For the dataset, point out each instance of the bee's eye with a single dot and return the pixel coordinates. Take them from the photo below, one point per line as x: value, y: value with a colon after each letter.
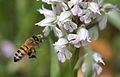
x: 18, y: 51
x: 35, y: 38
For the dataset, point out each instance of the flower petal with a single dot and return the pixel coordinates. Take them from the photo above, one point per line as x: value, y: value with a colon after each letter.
x: 68, y: 54
x: 75, y: 10
x: 61, y: 41
x: 84, y: 67
x: 73, y: 2
x: 46, y: 22
x: 46, y: 12
x: 97, y: 68
x: 73, y: 38
x: 87, y: 21
x: 70, y: 26
x: 64, y: 15
x: 64, y: 6
x: 103, y: 22
x: 94, y: 7
x: 97, y: 58
x: 83, y: 34
x: 46, y: 31
x: 77, y: 45
x: 61, y: 57
x: 109, y: 6
x: 57, y: 32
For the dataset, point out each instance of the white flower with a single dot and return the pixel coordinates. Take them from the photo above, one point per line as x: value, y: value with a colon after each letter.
x: 57, y: 32
x: 86, y: 16
x: 97, y: 69
x: 49, y: 22
x: 75, y: 7
x: 50, y: 17
x: 83, y: 34
x: 46, y: 30
x: 63, y: 6
x: 61, y: 42
x: 76, y: 10
x: 59, y: 7
x: 45, y: 23
x: 70, y: 26
x: 97, y: 58
x: 102, y: 20
x: 63, y: 53
x: 64, y: 16
x: 82, y: 37
x: 47, y: 12
x: 74, y: 39
x: 66, y: 21
x: 73, y: 2
x: 94, y: 7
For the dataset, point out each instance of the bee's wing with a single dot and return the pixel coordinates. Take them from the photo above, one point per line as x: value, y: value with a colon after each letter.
x: 29, y: 41
x: 32, y: 53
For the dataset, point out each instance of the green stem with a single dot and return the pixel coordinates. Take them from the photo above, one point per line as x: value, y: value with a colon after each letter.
x: 54, y: 67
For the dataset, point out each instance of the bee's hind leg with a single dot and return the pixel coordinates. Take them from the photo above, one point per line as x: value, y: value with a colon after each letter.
x: 32, y: 53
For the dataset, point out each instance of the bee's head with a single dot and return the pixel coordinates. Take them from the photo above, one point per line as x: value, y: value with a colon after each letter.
x: 40, y: 37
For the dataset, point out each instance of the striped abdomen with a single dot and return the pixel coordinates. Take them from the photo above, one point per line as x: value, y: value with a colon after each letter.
x: 21, y: 52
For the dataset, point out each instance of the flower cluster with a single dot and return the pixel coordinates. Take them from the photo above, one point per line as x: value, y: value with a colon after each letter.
x: 73, y: 22
x: 76, y: 23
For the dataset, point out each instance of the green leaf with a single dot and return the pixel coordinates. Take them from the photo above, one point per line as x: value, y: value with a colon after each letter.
x: 114, y: 18
x: 54, y: 68
x: 79, y: 63
x: 89, y: 61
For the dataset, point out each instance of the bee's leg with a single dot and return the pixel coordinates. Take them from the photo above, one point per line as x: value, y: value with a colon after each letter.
x: 37, y: 44
x: 32, y: 53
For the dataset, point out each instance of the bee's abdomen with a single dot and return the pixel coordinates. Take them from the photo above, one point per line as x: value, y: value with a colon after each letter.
x: 19, y: 54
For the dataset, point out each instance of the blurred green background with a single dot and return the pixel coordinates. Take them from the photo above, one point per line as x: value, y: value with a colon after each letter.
x: 17, y: 19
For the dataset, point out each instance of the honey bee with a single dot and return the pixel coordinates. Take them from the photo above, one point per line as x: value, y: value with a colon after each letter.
x: 28, y: 48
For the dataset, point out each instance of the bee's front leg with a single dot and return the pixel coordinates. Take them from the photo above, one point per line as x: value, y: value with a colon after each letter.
x: 32, y: 53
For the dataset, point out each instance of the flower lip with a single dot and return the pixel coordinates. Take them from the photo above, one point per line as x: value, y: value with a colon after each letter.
x: 83, y: 34
x: 70, y: 26
x: 97, y: 58
x: 62, y: 52
x: 61, y: 41
x: 47, y: 12
x: 94, y: 7
x: 64, y: 15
